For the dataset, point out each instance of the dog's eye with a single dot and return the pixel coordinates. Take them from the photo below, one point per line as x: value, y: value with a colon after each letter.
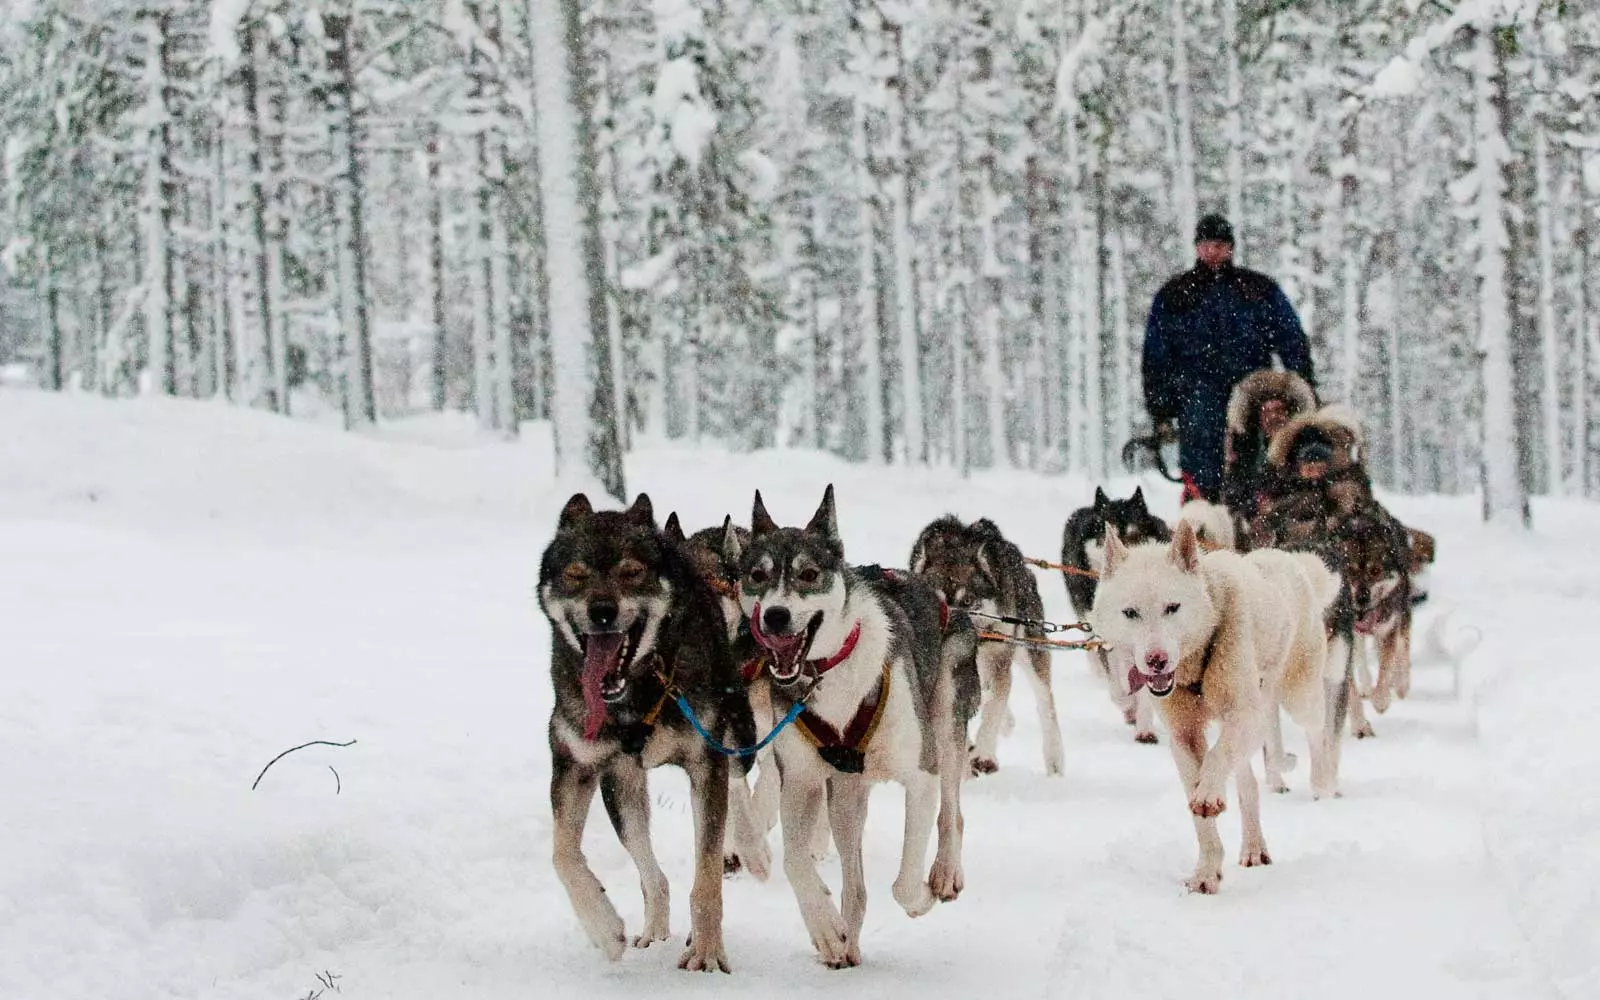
x: 575, y: 575
x: 630, y: 570
x: 1132, y: 614
x: 757, y: 576
x: 808, y: 576
x: 1172, y: 609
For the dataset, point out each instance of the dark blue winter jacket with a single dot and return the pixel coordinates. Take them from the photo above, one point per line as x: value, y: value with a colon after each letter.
x: 1207, y: 330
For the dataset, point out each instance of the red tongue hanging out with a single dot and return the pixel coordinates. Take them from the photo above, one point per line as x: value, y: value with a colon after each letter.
x: 602, y: 655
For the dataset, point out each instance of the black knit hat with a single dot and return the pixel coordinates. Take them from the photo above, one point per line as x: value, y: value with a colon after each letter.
x: 1213, y: 227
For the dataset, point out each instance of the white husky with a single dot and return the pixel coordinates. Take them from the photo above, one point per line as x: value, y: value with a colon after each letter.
x: 1219, y: 636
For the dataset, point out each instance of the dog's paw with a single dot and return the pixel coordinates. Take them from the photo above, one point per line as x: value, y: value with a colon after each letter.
x: 655, y: 927
x: 915, y: 898
x: 984, y: 765
x: 1053, y: 767
x: 1149, y: 739
x: 1254, y: 856
x: 704, y: 955
x: 832, y: 943
x: 1380, y: 700
x: 732, y: 864
x: 946, y: 880
x: 1204, y: 883
x: 1206, y: 802
x: 1130, y: 716
x: 605, y: 930
x: 1362, y: 730
x: 1288, y: 762
x: 1402, y: 689
x: 1276, y: 784
x: 756, y: 861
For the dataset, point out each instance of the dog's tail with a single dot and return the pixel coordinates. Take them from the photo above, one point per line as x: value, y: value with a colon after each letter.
x: 1339, y: 675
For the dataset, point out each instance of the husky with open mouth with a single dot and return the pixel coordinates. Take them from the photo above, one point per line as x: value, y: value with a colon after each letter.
x: 1216, y: 636
x: 878, y: 703
x: 634, y: 627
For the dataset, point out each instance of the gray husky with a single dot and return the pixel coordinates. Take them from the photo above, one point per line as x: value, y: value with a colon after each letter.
x: 632, y: 626
x: 976, y: 570
x: 879, y: 704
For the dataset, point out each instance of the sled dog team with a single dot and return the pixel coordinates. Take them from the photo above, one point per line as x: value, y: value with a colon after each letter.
x: 733, y: 649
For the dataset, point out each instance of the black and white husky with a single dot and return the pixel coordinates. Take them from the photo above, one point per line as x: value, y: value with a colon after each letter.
x: 878, y: 704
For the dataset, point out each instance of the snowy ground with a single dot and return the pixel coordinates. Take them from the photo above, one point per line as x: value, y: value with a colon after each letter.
x: 189, y: 590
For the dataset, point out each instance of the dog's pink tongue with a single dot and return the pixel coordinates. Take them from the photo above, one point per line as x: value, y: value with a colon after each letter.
x: 786, y: 649
x: 1136, y: 680
x: 599, y: 658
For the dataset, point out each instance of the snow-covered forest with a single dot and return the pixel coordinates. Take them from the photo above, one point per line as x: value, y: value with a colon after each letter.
x: 922, y: 231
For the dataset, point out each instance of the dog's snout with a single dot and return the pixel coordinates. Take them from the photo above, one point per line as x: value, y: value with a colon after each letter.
x: 775, y: 619
x: 603, y: 613
x: 1155, y: 661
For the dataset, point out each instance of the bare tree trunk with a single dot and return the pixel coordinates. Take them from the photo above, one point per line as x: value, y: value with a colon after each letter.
x: 355, y: 316
x: 1233, y: 126
x: 1183, y: 123
x: 260, y: 252
x: 905, y: 288
x: 221, y: 325
x: 439, y: 361
x: 586, y: 431
x: 54, y: 336
x: 1550, y: 401
x: 867, y: 293
x: 157, y: 208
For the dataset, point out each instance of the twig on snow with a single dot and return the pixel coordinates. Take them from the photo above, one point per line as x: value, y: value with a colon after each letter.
x: 291, y: 750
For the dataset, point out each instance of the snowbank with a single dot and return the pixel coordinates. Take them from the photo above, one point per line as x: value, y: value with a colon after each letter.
x: 239, y: 584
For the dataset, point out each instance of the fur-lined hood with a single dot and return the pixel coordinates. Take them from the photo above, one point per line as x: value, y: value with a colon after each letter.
x: 1257, y: 388
x: 1337, y: 422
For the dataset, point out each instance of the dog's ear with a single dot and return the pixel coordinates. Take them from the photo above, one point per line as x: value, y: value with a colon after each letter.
x: 730, y: 540
x: 1138, y: 498
x: 1101, y: 501
x: 1115, y: 551
x: 673, y: 530
x: 1185, y: 548
x: 761, y: 523
x: 981, y: 557
x: 919, y: 553
x: 825, y: 522
x: 577, y: 509
x: 642, y: 512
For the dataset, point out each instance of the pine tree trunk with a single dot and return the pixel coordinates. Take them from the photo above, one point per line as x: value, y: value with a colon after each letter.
x: 259, y: 251
x: 54, y: 336
x: 439, y: 360
x: 1550, y: 397
x: 157, y: 209
x: 905, y: 288
x: 1183, y: 123
x: 1233, y: 126
x: 1503, y: 498
x: 1350, y: 263
x: 871, y: 380
x: 1582, y: 308
x: 1122, y: 349
x: 1094, y: 281
x: 993, y: 361
x: 586, y: 433
x: 221, y: 326
x: 354, y: 320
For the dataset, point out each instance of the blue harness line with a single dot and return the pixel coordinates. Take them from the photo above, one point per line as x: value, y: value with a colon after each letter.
x: 716, y: 745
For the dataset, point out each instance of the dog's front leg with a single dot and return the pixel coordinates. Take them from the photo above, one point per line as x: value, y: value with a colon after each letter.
x: 708, y: 790
x: 1394, y: 649
x: 802, y: 793
x: 571, y: 793
x: 1253, y: 844
x: 1188, y: 737
x: 1239, y: 737
x: 995, y: 664
x: 625, y: 793
x: 765, y: 797
x: 911, y: 889
x: 1360, y: 727
x: 847, y: 814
